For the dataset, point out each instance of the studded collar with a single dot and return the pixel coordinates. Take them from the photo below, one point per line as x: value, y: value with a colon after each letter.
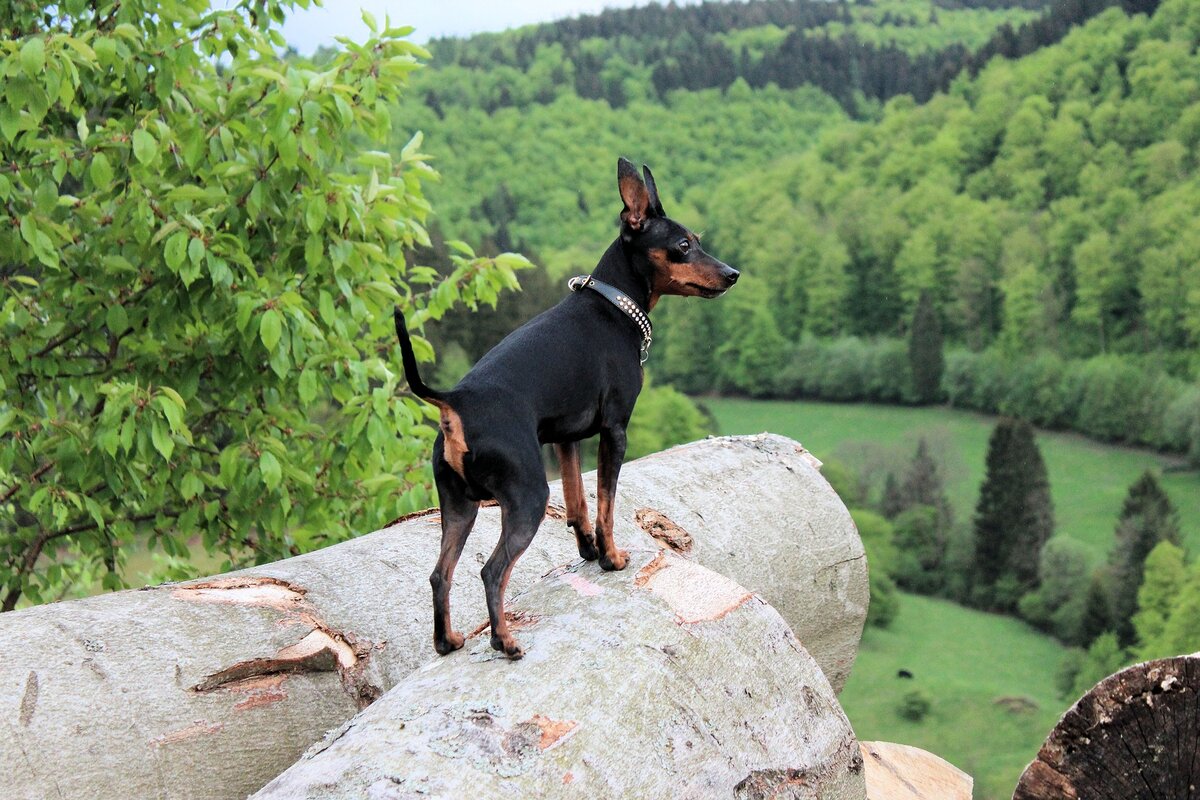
x: 621, y: 301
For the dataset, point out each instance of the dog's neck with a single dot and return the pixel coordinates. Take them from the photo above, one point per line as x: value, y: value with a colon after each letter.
x: 627, y: 270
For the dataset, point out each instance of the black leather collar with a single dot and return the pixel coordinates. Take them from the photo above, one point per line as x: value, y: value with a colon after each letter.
x: 621, y: 301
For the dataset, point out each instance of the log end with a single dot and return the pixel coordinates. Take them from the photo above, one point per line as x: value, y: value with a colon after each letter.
x: 1133, y: 735
x: 901, y: 772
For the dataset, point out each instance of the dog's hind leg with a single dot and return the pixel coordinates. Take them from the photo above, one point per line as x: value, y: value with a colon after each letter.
x: 522, y: 507
x: 458, y: 517
x: 577, y: 510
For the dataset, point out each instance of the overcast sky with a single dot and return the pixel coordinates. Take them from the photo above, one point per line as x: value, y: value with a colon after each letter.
x: 306, y: 30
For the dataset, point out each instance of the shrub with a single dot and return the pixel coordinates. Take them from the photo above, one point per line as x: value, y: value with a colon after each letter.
x: 915, y: 705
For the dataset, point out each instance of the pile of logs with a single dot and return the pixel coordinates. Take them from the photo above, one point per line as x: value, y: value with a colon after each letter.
x: 709, y: 667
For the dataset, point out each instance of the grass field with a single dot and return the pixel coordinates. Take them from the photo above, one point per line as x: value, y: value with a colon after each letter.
x: 964, y: 660
x: 1088, y: 480
x: 990, y: 679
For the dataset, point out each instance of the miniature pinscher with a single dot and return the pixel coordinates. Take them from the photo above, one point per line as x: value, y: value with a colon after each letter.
x: 570, y: 373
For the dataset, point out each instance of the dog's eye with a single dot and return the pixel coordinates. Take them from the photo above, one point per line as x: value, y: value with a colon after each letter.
x: 684, y: 245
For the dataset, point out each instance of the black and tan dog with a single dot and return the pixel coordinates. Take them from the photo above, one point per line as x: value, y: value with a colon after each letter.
x: 570, y: 373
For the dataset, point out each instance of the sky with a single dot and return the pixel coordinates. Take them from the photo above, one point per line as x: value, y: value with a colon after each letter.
x: 306, y: 30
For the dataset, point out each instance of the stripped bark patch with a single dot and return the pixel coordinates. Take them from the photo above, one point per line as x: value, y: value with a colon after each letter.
x: 647, y: 572
x: 29, y: 700
x: 556, y: 512
x: 322, y: 649
x: 768, y: 784
x: 197, y: 728
x: 553, y: 731
x: 515, y: 619
x: 260, y: 691
x: 258, y: 591
x: 694, y: 593
x: 425, y: 512
x: 660, y: 526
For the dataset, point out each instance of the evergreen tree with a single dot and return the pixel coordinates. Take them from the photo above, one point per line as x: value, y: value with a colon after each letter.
x: 892, y: 502
x: 925, y: 351
x: 1147, y: 518
x: 1097, y: 614
x: 1014, y: 517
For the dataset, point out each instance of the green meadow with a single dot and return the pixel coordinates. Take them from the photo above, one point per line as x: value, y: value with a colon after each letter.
x: 990, y: 678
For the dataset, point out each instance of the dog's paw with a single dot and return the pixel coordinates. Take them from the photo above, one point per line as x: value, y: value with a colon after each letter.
x: 452, y: 642
x: 509, y: 646
x: 588, y: 551
x: 616, y: 563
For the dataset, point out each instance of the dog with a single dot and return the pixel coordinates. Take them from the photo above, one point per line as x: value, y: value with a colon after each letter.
x: 570, y: 373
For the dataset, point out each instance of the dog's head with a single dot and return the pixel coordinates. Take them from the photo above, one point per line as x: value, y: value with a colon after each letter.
x: 680, y: 265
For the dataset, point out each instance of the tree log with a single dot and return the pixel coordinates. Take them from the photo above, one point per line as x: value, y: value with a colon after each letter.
x: 665, y: 680
x: 900, y: 772
x: 1134, y: 736
x: 211, y: 688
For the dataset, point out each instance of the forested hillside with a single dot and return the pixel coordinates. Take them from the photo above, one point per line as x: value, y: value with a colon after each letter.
x: 1047, y: 204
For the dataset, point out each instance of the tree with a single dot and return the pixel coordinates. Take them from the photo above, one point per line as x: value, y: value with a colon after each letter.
x: 1014, y: 517
x: 1163, y: 577
x: 925, y: 351
x: 921, y: 543
x: 1147, y: 518
x: 198, y: 271
x: 1057, y: 605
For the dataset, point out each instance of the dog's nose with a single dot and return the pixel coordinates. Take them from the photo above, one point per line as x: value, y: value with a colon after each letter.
x: 730, y: 275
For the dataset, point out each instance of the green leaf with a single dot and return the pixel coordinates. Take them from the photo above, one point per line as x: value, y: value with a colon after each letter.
x: 308, y: 386
x: 176, y: 250
x: 101, y: 172
x: 314, y: 213
x: 270, y: 328
x: 33, y: 56
x: 162, y: 440
x: 172, y: 412
x: 145, y: 148
x: 195, y: 250
x: 116, y: 319
x: 271, y: 472
x: 191, y: 486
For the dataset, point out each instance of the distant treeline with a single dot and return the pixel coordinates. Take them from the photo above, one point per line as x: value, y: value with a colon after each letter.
x: 852, y: 51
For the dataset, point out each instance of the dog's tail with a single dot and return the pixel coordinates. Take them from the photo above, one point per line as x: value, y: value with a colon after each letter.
x: 410, y: 363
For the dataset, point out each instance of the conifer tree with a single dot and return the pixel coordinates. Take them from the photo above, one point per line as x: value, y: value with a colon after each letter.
x: 1147, y: 518
x: 925, y: 358
x: 1014, y: 517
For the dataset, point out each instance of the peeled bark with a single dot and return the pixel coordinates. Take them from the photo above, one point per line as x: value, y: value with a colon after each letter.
x: 665, y: 680
x: 1134, y: 736
x: 211, y: 688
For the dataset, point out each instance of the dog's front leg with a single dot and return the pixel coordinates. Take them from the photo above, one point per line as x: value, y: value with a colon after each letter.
x: 576, y: 502
x: 612, y: 453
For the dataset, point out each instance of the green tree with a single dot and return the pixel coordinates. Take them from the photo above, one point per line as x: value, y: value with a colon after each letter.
x: 1147, y: 518
x: 1162, y: 581
x: 1057, y: 605
x: 197, y: 276
x: 1014, y: 517
x: 1103, y: 658
x: 921, y: 544
x: 925, y: 357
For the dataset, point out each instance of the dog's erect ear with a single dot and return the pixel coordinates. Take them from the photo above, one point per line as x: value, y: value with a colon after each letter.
x: 655, y: 203
x: 633, y: 193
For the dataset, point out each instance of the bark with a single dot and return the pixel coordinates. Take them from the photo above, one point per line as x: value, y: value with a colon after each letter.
x: 900, y: 772
x: 665, y: 680
x: 211, y: 688
x: 1134, y: 736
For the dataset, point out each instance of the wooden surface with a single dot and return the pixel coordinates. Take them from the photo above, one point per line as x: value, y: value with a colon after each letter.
x: 1134, y: 736
x: 666, y: 680
x: 900, y: 772
x: 211, y: 688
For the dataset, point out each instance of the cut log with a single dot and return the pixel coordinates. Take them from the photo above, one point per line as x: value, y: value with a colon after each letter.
x: 1134, y: 736
x: 665, y: 680
x: 212, y: 687
x: 900, y: 772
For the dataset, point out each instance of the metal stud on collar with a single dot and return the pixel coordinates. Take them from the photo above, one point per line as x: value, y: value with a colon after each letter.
x: 621, y: 301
